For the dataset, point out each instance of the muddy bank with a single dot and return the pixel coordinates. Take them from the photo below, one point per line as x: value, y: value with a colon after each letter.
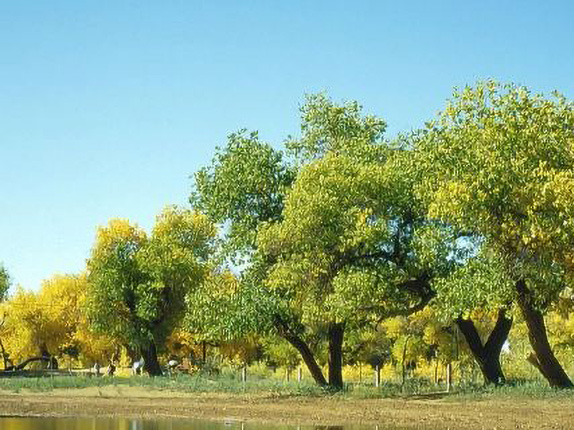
x: 434, y: 412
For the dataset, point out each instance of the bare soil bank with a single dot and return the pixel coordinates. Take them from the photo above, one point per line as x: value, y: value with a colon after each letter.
x: 437, y: 413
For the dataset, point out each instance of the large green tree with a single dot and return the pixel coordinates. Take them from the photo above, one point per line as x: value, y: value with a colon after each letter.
x: 500, y: 163
x: 138, y: 284
x: 245, y: 188
x: 340, y: 239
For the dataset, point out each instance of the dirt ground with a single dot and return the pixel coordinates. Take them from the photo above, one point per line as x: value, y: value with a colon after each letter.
x: 412, y: 413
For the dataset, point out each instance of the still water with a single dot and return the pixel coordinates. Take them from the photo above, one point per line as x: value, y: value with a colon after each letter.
x: 9, y: 423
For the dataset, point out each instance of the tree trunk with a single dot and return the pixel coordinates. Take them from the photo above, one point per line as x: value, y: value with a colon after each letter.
x: 307, y: 356
x: 4, y: 355
x: 151, y: 363
x: 543, y: 356
x: 292, y: 336
x: 487, y: 355
x: 22, y: 365
x: 336, y: 334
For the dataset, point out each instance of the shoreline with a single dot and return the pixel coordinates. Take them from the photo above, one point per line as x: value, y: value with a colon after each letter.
x: 135, y: 402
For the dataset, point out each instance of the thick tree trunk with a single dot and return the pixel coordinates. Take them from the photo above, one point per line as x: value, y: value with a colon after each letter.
x: 336, y: 334
x: 291, y: 336
x: 308, y: 357
x: 487, y: 355
x: 543, y: 357
x: 151, y: 363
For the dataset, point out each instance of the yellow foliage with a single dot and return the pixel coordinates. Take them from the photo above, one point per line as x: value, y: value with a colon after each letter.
x: 52, y: 321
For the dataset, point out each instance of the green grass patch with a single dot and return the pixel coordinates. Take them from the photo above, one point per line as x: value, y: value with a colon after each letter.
x: 230, y: 382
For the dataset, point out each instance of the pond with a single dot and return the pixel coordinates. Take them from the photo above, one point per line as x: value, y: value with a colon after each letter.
x: 17, y: 423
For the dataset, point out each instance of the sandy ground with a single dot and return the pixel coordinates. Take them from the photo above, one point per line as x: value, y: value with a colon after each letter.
x: 420, y: 413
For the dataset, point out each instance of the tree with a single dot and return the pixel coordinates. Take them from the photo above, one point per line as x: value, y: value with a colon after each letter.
x: 345, y: 227
x: 487, y: 354
x: 138, y: 284
x: 336, y: 129
x: 4, y: 282
x: 499, y: 161
x: 246, y: 186
x: 4, y: 286
x: 44, y: 324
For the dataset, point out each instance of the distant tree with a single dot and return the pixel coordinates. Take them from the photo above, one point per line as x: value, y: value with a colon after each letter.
x: 4, y: 282
x: 138, y: 284
x: 44, y: 323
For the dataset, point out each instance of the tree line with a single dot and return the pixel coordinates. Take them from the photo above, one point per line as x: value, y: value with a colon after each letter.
x: 342, y: 230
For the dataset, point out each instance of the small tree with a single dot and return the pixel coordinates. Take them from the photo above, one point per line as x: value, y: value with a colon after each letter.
x: 4, y: 282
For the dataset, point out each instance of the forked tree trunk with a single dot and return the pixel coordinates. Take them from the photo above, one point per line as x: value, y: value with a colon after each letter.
x: 487, y: 355
x: 151, y: 363
x: 336, y: 334
x: 308, y: 358
x: 543, y: 357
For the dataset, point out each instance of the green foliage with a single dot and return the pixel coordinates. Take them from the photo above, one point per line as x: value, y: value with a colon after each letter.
x: 337, y: 129
x: 351, y: 239
x: 244, y: 186
x: 245, y: 189
x: 500, y: 162
x: 342, y: 239
x: 138, y: 284
x: 481, y: 282
x: 4, y: 282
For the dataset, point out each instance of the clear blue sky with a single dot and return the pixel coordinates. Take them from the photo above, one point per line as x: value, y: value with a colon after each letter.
x: 107, y: 107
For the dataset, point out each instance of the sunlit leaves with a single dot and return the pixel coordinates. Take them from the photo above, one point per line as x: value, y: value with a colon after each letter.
x: 501, y: 160
x: 47, y: 321
x: 327, y: 127
x: 138, y: 284
x: 244, y: 185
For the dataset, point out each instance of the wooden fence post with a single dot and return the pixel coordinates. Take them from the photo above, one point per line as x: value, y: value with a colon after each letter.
x: 448, y: 377
x: 377, y: 376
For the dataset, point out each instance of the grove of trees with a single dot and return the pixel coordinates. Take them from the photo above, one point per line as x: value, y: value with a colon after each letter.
x: 344, y: 246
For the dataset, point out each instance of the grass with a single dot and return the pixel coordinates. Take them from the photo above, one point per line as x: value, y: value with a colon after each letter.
x: 183, y: 383
x: 229, y: 382
x: 514, y: 390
